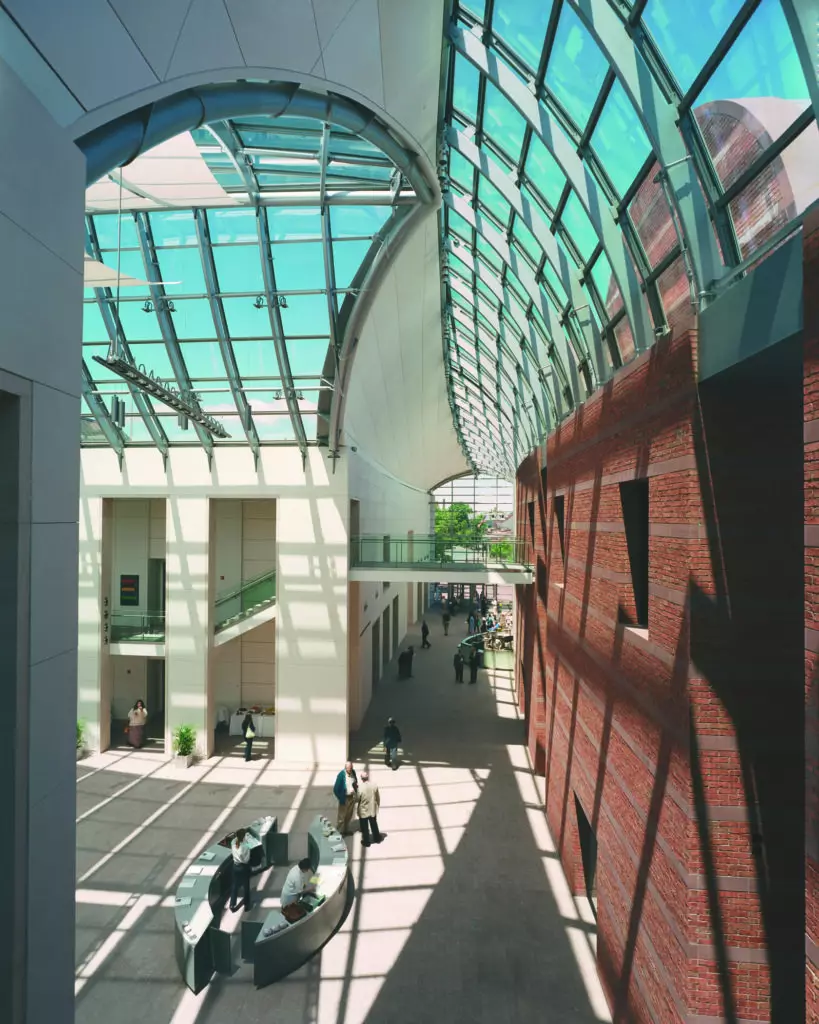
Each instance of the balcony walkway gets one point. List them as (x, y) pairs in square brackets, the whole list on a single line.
[(462, 915), (432, 559)]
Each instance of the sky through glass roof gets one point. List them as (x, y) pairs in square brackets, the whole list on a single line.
[(563, 235)]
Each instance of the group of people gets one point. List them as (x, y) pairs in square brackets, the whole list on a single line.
[(297, 884), (362, 796)]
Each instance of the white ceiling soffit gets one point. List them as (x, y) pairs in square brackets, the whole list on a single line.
[(397, 409), (97, 275), (173, 174)]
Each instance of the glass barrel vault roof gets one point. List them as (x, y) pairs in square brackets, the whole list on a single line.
[(238, 297), (610, 165)]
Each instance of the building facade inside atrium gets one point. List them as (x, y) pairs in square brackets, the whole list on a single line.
[(332, 327)]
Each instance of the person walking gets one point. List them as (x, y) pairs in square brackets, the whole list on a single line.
[(425, 635), (240, 850), (473, 666), (471, 623), (458, 662), (369, 800), (445, 619), (392, 737), (345, 790), (137, 717), (249, 734)]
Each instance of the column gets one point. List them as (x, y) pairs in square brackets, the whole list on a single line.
[(311, 674), (188, 620), (94, 669)]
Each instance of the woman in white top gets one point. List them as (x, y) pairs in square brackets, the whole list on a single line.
[(240, 849), (137, 717)]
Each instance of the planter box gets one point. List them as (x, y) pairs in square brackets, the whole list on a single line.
[(182, 760)]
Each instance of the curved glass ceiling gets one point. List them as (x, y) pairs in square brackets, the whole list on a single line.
[(239, 252), (610, 167)]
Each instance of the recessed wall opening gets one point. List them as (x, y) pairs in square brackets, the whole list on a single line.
[(634, 502), (560, 513), (588, 853)]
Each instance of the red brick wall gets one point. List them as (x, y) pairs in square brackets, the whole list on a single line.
[(811, 370), (651, 741)]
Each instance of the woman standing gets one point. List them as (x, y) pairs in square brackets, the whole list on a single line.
[(137, 717), (249, 733)]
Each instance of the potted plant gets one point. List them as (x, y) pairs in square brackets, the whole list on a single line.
[(184, 744), (80, 739)]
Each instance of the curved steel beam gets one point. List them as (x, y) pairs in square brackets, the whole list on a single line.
[(577, 173), (122, 140), (658, 116), (527, 279), (546, 240)]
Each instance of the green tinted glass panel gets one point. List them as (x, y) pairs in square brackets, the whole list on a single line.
[(577, 223), (493, 201), (544, 172), (306, 314), (576, 67), (307, 356), (522, 26), (232, 226), (459, 225), (93, 326), (299, 266), (619, 140), (489, 253), (347, 258), (287, 223), (687, 33), (173, 227), (256, 358), (108, 234), (138, 325), (238, 268), (527, 240), (502, 123), (153, 357), (192, 319), (465, 87), (130, 265), (244, 320), (461, 170), (182, 272), (350, 221), (203, 359)]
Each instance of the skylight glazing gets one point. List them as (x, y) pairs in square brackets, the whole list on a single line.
[(580, 222), (237, 300)]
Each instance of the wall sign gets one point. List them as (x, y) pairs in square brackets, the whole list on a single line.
[(128, 591)]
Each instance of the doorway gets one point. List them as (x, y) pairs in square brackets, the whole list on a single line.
[(387, 651), (588, 853), (376, 648), (155, 696)]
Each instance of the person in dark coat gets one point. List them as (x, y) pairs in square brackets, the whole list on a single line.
[(473, 666), (425, 635), (345, 790), (403, 665), (392, 737), (483, 604), (458, 662), (410, 652), (249, 733)]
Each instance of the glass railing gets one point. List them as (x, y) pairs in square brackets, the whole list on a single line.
[(239, 602), (138, 627), (433, 550)]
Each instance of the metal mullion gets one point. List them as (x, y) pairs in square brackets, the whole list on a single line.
[(548, 44), (327, 243), (118, 341), (99, 410), (488, 14), (222, 333), (802, 122), (596, 111), (166, 325), (634, 187), (559, 208), (636, 11), (278, 331), (230, 139), (658, 271), (741, 19)]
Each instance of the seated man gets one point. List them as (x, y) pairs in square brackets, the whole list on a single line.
[(297, 883)]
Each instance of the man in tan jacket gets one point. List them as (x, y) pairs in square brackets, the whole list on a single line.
[(369, 801)]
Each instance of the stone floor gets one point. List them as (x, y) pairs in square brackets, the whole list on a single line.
[(461, 915)]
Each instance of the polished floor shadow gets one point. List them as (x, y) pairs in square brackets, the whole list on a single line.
[(454, 917)]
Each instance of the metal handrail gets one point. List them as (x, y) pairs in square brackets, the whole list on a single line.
[(236, 591)]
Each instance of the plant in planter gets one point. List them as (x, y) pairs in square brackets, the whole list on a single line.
[(80, 738), (184, 744)]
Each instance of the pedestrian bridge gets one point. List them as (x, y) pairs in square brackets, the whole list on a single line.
[(431, 558)]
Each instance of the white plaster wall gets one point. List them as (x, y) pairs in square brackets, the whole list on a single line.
[(41, 254), (131, 543), (244, 670), (156, 530), (227, 516), (94, 662), (258, 538)]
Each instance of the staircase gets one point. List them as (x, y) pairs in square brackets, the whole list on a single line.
[(245, 607)]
